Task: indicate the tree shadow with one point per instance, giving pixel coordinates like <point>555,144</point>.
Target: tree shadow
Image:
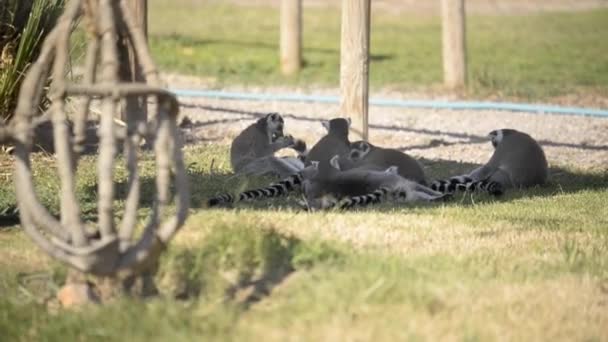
<point>210,43</point>
<point>560,181</point>
<point>241,270</point>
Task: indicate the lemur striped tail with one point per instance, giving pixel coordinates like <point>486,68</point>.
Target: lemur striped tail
<point>465,183</point>
<point>363,200</point>
<point>273,190</point>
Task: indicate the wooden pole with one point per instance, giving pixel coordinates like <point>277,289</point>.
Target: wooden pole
<point>354,64</point>
<point>454,43</point>
<point>291,36</point>
<point>129,71</point>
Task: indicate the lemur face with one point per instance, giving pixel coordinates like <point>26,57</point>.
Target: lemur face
<point>358,150</point>
<point>274,125</point>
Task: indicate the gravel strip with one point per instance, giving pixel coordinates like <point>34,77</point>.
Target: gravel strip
<point>574,141</point>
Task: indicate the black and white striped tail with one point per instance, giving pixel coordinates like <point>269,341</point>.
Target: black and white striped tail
<point>464,183</point>
<point>273,190</point>
<point>363,200</point>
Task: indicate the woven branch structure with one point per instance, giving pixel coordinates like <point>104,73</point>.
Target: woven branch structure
<point>114,248</point>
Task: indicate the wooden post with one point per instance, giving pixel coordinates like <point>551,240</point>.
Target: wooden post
<point>354,64</point>
<point>454,43</point>
<point>129,71</point>
<point>291,36</point>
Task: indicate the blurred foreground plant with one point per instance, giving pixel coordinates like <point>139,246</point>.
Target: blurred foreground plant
<point>23,26</point>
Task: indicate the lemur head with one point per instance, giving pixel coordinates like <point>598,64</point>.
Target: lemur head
<point>274,125</point>
<point>337,126</point>
<point>311,170</point>
<point>358,150</point>
<point>498,135</point>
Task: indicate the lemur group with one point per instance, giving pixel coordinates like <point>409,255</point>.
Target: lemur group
<point>338,173</point>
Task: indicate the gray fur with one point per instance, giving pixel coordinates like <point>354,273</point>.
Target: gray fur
<point>518,161</point>
<point>361,182</point>
<point>364,155</point>
<point>252,151</point>
<point>335,142</point>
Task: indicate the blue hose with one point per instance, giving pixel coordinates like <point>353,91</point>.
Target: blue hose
<point>428,104</point>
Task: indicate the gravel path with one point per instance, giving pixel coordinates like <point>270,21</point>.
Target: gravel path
<point>579,142</point>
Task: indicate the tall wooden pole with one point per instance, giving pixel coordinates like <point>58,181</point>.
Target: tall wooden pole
<point>129,70</point>
<point>354,64</point>
<point>454,43</point>
<point>291,36</point>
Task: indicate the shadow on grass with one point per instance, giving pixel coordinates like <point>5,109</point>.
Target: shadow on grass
<point>239,263</point>
<point>213,43</point>
<point>206,185</point>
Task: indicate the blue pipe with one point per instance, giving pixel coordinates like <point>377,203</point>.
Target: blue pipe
<point>457,105</point>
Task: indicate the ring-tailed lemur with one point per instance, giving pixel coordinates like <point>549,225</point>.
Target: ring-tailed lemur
<point>518,161</point>
<point>362,187</point>
<point>334,142</point>
<point>365,156</point>
<point>276,189</point>
<point>252,151</point>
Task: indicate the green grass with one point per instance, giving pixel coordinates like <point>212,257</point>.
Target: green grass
<point>530,56</point>
<point>530,266</point>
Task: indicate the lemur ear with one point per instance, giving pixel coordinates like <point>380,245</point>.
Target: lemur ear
<point>392,170</point>
<point>325,124</point>
<point>334,162</point>
<point>349,121</point>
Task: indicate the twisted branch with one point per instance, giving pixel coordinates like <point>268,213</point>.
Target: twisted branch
<point>113,251</point>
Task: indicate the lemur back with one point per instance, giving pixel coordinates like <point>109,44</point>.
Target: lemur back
<point>335,142</point>
<point>252,151</point>
<point>364,155</point>
<point>518,161</point>
<point>364,187</point>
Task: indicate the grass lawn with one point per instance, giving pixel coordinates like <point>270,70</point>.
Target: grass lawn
<point>530,266</point>
<point>531,56</point>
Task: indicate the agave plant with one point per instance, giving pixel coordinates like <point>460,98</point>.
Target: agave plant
<point>23,26</point>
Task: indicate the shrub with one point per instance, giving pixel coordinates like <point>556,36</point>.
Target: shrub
<point>23,26</point>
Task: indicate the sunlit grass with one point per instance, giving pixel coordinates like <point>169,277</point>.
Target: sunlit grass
<point>528,56</point>
<point>532,265</point>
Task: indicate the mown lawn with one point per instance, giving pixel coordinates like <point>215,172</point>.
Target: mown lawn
<point>530,266</point>
<point>532,56</point>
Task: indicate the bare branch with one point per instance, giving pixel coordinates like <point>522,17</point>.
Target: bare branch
<point>137,37</point>
<point>70,209</point>
<point>81,115</point>
<point>109,254</point>
<point>126,89</point>
<point>107,146</point>
<point>27,197</point>
<point>132,202</point>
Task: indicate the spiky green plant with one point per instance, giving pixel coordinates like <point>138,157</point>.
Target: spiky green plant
<point>23,26</point>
